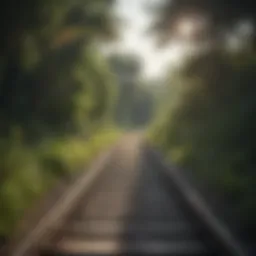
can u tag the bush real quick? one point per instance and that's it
(29, 172)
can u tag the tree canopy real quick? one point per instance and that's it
(221, 16)
(207, 124)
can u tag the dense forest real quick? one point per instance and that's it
(61, 99)
(55, 90)
(206, 123)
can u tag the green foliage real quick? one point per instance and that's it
(39, 86)
(96, 101)
(30, 172)
(219, 12)
(215, 21)
(209, 127)
(23, 180)
(57, 95)
(135, 101)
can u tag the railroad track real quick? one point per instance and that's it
(133, 206)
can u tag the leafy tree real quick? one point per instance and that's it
(208, 123)
(58, 32)
(208, 127)
(134, 105)
(55, 87)
(222, 17)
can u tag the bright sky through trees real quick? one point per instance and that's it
(135, 39)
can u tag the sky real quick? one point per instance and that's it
(135, 40)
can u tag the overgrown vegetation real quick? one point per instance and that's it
(207, 123)
(57, 96)
(32, 171)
